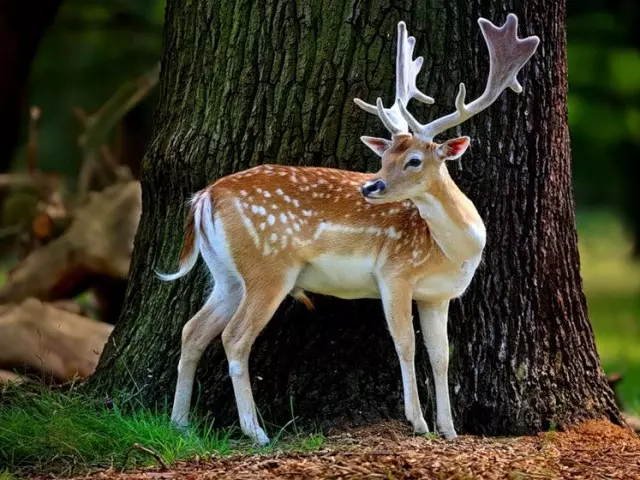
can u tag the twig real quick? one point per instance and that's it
(22, 180)
(148, 451)
(142, 448)
(32, 145)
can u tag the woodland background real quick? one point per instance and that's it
(95, 51)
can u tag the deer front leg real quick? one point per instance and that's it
(433, 321)
(396, 300)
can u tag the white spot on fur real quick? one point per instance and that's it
(392, 233)
(247, 223)
(274, 237)
(243, 193)
(283, 218)
(271, 219)
(267, 194)
(279, 192)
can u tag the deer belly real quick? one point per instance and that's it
(340, 276)
(451, 284)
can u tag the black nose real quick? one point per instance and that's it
(373, 186)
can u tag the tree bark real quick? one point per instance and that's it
(245, 83)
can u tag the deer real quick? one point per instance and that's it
(406, 233)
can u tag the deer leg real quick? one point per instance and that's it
(261, 300)
(197, 334)
(396, 300)
(433, 321)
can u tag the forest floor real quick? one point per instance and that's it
(593, 450)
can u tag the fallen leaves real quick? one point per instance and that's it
(593, 450)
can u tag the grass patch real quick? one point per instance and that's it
(45, 430)
(68, 433)
(612, 287)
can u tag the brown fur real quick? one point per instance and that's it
(189, 236)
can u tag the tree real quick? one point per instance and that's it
(273, 82)
(22, 26)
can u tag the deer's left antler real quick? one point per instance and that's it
(507, 55)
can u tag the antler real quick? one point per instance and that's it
(507, 55)
(407, 70)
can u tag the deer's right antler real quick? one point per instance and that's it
(407, 70)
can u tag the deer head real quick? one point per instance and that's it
(410, 162)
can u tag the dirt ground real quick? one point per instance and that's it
(593, 450)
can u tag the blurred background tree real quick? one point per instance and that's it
(92, 48)
(604, 106)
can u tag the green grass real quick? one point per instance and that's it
(612, 287)
(68, 433)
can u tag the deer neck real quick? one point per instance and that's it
(454, 222)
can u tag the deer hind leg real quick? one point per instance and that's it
(396, 300)
(433, 322)
(262, 298)
(197, 334)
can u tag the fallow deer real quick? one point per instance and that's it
(405, 233)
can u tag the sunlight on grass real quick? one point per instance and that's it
(612, 287)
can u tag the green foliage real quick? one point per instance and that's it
(91, 49)
(612, 288)
(69, 433)
(604, 106)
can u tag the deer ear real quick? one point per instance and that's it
(453, 149)
(378, 145)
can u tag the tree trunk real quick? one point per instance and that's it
(22, 26)
(245, 83)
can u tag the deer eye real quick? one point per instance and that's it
(413, 162)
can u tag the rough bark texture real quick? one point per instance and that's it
(245, 83)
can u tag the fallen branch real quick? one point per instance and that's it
(99, 241)
(60, 345)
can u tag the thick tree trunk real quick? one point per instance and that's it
(248, 83)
